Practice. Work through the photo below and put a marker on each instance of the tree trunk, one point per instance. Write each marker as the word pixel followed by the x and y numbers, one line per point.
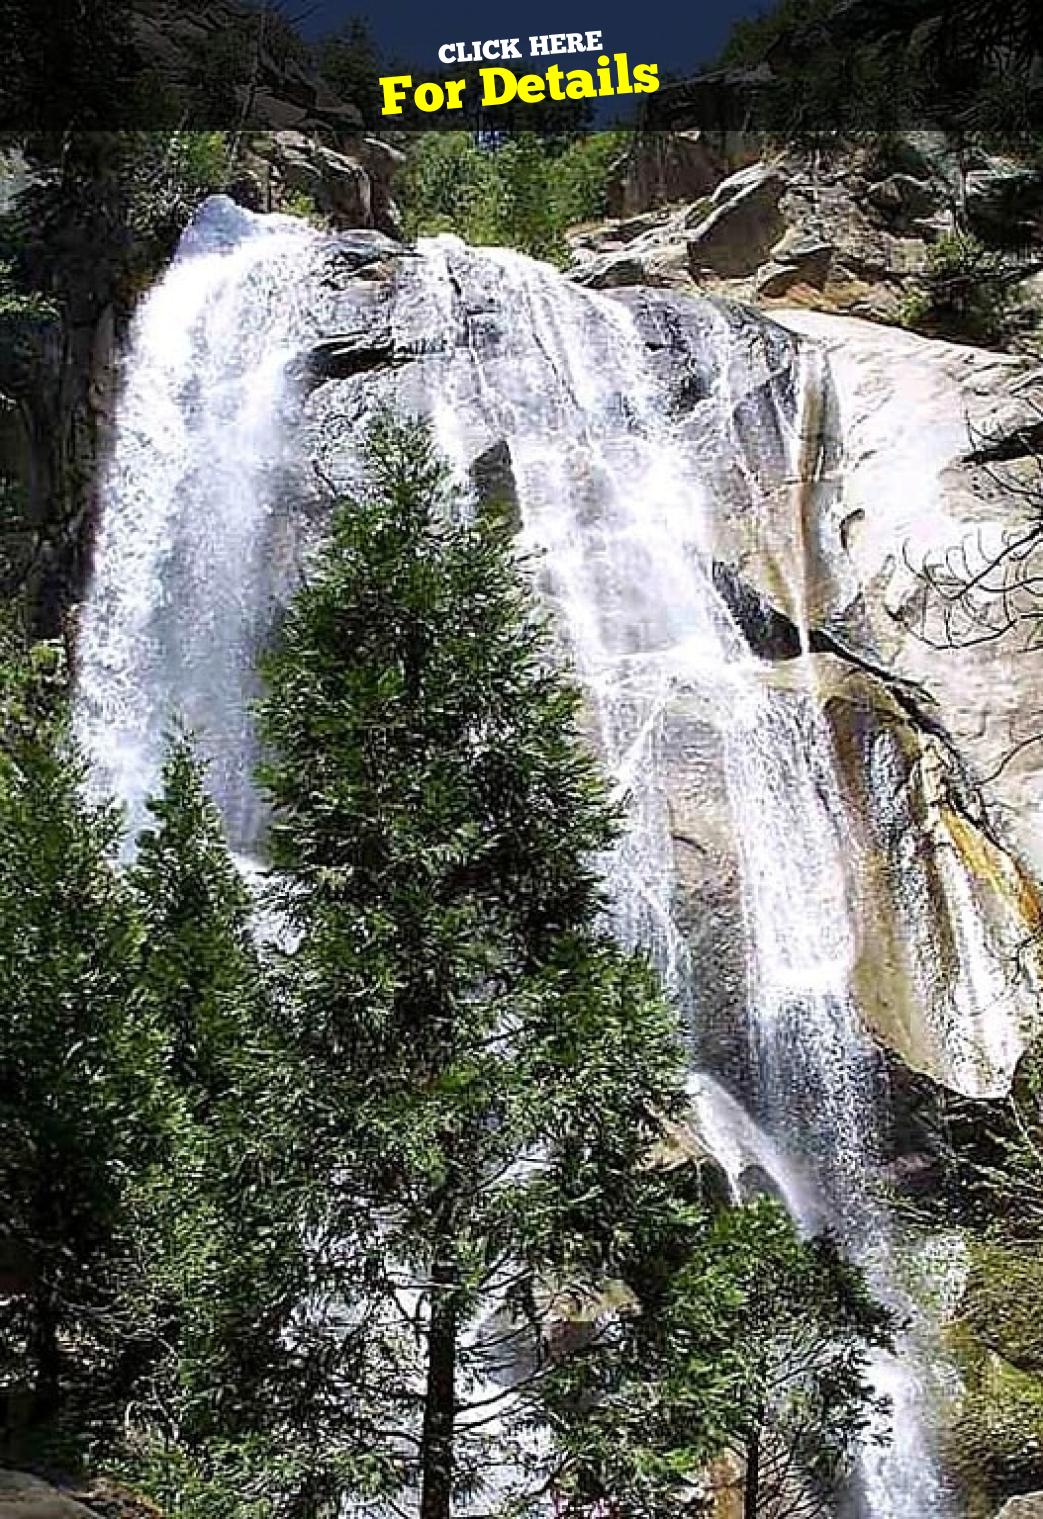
pixel 436 1492
pixel 47 1388
pixel 751 1486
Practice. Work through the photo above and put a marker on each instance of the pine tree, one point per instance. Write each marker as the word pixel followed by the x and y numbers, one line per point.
pixel 219 1212
pixel 750 1343
pixel 487 1070
pixel 200 968
pixel 79 1113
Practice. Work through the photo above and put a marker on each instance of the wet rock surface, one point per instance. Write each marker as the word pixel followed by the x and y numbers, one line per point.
pixel 822 563
pixel 1028 1506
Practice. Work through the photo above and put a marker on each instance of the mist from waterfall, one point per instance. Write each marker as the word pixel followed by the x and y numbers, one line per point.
pixel 188 563
pixel 192 560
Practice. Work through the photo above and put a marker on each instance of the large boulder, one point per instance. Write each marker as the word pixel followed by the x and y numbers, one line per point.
pixel 26 1497
pixel 662 264
pixel 1027 1506
pixel 903 197
pixel 797 259
pixel 742 224
pixel 664 167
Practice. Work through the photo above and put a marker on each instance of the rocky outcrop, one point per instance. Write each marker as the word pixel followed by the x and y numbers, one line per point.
pixel 348 186
pixel 664 168
pixel 842 229
pixel 235 67
pixel 27 1497
pixel 740 226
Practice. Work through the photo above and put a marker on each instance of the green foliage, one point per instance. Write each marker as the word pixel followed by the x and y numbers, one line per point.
pixel 200 971
pixel 747 1339
pixel 487 1070
pixel 962 65
pixel 226 1270
pixel 272 1221
pixel 28 328
pixel 349 63
pixel 995 1434
pixel 33 686
pixel 1002 1301
pixel 448 184
pixel 164 176
pixel 524 192
pixel 753 38
pixel 583 173
pixel 107 209
pixel 488 1073
pixel 248 1478
pixel 18 305
pixel 73 73
pixel 966 293
pixel 78 1115
pixel 300 203
pixel 995 1439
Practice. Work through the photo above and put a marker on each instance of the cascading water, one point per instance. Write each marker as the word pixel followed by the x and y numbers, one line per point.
pixel 192 558
pixel 619 513
pixel 189 562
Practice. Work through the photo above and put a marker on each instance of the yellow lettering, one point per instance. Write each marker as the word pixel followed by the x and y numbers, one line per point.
pixel 394 87
pixel 505 79
pixel 579 85
pixel 531 88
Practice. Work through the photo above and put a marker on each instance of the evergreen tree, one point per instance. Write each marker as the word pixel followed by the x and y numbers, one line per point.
pixel 226 1264
pixel 350 64
pixel 79 1111
pixel 487 1070
pixel 200 969
pixel 749 1341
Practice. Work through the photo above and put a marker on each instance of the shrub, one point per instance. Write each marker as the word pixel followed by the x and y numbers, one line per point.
pixel 524 192
pixel 300 203
pixel 966 292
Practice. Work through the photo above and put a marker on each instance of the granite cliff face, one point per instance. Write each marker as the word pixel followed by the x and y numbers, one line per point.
pixel 834 464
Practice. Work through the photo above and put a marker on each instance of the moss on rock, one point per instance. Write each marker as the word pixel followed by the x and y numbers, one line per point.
pixel 994 1439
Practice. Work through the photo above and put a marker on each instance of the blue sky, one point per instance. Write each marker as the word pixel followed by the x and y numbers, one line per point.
pixel 676 36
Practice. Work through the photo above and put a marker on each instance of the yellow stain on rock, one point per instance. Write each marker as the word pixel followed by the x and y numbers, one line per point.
pixel 991 865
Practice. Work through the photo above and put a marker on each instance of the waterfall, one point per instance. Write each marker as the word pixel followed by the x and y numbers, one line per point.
pixel 194 555
pixel 619 511
pixel 189 561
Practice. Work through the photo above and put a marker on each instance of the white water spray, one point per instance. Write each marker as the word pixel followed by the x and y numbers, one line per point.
pixel 618 508
pixel 188 560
